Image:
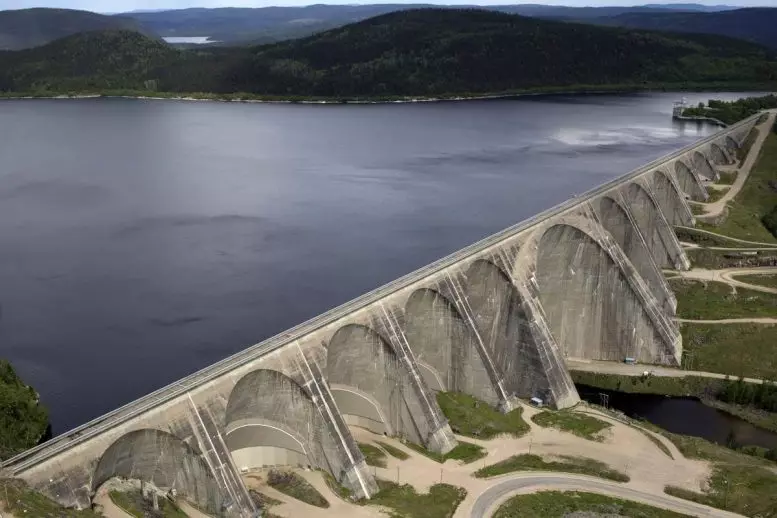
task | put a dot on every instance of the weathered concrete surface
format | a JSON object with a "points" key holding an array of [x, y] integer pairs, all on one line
{"points": [[495, 320]]}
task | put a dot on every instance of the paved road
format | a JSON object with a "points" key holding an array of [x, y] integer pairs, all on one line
{"points": [[727, 275], [728, 238], [604, 367], [488, 501], [761, 320]]}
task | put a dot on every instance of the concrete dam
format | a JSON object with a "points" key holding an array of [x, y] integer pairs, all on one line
{"points": [[496, 320]]}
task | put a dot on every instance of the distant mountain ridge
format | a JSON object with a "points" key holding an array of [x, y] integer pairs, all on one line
{"points": [[417, 53], [25, 28], [268, 24], [755, 24]]}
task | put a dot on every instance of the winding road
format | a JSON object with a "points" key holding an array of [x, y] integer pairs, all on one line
{"points": [[610, 367], [713, 210], [488, 501], [727, 275]]}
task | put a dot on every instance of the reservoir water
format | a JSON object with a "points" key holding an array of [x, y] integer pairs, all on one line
{"points": [[142, 240], [682, 415]]}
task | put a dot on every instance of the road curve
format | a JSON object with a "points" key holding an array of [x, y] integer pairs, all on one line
{"points": [[760, 320], [729, 238], [728, 276], [610, 367], [487, 502]]}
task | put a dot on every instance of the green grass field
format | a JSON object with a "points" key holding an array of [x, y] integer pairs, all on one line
{"points": [[567, 464], [748, 350], [768, 280], [440, 502], [727, 178], [293, 485], [475, 418], [691, 235], [20, 500], [133, 503], [465, 452], [373, 455], [585, 426], [560, 504], [394, 452], [717, 259], [755, 200], [739, 483], [710, 300]]}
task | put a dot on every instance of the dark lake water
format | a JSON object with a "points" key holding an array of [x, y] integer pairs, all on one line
{"points": [[143, 240], [686, 416]]}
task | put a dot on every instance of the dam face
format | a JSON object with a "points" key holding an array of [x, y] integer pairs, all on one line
{"points": [[495, 320]]}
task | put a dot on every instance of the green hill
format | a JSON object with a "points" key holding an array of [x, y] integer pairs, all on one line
{"points": [[89, 61], [22, 420], [427, 52], [756, 24], [25, 28]]}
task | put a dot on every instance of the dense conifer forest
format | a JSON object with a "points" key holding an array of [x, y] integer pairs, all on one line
{"points": [[423, 53]]}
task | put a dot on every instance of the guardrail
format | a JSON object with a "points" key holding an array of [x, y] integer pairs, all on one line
{"points": [[42, 452]]}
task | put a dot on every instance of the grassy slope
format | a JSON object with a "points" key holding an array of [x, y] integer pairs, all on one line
{"points": [[440, 502], [709, 300], [22, 420], [559, 504], [739, 483], [394, 452], [736, 349], [373, 455], [768, 280], [755, 200], [474, 418], [585, 426], [465, 452], [717, 259], [566, 464], [22, 501], [690, 235], [295, 486]]}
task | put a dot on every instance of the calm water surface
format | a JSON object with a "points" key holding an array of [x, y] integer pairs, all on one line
{"points": [[686, 416], [143, 240]]}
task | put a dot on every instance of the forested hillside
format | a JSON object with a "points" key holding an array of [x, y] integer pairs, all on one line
{"points": [[428, 52], [23, 421], [757, 24], [25, 28]]}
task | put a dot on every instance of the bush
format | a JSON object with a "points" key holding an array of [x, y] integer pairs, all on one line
{"points": [[770, 221]]}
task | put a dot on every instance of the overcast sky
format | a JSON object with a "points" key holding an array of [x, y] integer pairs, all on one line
{"points": [[128, 5]]}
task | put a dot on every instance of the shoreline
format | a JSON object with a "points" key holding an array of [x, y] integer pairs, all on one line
{"points": [[237, 98], [689, 386]]}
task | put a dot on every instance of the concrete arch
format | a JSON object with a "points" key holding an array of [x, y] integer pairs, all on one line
{"points": [[442, 340], [360, 358], [689, 182], [625, 231], [591, 308], [732, 146], [718, 155], [670, 200], [654, 227], [271, 420], [502, 322], [164, 460], [703, 167]]}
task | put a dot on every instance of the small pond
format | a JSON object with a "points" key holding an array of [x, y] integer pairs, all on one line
{"points": [[682, 415]]}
